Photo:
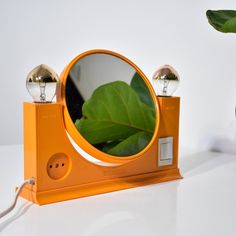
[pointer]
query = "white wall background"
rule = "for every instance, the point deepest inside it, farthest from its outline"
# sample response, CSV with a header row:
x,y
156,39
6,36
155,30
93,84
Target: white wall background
x,y
150,32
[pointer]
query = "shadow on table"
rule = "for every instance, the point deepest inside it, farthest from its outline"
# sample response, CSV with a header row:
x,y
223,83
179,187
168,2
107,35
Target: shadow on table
x,y
20,211
203,162
224,144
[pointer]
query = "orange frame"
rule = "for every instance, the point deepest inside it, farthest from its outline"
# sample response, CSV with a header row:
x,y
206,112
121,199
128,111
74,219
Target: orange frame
x,y
77,137
61,173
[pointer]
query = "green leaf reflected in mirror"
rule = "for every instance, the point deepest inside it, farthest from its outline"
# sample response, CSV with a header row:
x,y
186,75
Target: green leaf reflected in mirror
x,y
119,118
133,144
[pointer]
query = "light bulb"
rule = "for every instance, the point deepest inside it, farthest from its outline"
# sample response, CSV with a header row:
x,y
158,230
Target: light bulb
x,y
165,81
42,83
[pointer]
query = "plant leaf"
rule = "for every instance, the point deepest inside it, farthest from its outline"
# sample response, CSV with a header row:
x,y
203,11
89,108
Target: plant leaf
x,y
223,20
114,112
138,84
131,145
109,145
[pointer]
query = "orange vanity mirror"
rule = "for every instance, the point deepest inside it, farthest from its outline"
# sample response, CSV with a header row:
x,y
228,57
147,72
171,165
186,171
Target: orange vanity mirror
x,y
107,131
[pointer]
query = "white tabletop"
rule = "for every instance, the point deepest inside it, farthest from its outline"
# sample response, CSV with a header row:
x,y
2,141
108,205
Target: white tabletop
x,y
203,203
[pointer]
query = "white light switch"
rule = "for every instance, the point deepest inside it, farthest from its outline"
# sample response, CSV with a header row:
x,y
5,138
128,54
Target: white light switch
x,y
165,155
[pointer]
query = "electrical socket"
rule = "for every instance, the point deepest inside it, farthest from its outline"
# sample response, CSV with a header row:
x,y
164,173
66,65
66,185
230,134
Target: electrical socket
x,y
58,166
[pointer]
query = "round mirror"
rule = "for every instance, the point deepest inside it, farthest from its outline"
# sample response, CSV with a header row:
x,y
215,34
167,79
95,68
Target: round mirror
x,y
110,106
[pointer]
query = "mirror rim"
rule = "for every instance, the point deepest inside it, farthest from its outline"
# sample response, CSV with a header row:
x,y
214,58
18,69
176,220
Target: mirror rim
x,y
71,128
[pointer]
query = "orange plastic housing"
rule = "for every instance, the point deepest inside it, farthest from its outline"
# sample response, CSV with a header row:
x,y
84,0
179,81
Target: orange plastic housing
x,y
61,173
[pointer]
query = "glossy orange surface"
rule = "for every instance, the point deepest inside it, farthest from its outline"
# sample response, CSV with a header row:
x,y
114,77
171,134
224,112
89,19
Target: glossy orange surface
x,y
61,173
45,137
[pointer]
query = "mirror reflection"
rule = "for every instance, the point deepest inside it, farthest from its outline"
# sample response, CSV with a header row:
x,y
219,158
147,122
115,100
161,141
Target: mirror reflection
x,y
110,104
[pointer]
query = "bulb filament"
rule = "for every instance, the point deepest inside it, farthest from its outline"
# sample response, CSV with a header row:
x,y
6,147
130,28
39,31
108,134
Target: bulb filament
x,y
166,83
42,86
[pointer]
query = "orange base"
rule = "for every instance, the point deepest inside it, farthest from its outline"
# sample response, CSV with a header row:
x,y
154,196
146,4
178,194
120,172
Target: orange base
x,y
73,192
61,173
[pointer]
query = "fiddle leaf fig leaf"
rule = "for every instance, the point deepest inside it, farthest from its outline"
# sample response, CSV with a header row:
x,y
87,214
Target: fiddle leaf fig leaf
x,y
138,84
223,20
131,145
109,145
114,112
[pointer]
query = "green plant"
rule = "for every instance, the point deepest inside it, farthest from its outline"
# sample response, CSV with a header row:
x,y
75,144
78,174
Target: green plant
x,y
223,20
119,118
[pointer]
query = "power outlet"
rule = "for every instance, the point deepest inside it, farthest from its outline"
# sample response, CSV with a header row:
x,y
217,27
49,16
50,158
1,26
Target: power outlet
x,y
58,166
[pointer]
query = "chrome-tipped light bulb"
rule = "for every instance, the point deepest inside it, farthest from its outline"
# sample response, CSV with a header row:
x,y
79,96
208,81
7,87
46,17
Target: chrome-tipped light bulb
x,y
42,83
165,81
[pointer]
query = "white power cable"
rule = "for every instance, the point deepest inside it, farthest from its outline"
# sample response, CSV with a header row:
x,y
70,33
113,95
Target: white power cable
x,y
30,181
